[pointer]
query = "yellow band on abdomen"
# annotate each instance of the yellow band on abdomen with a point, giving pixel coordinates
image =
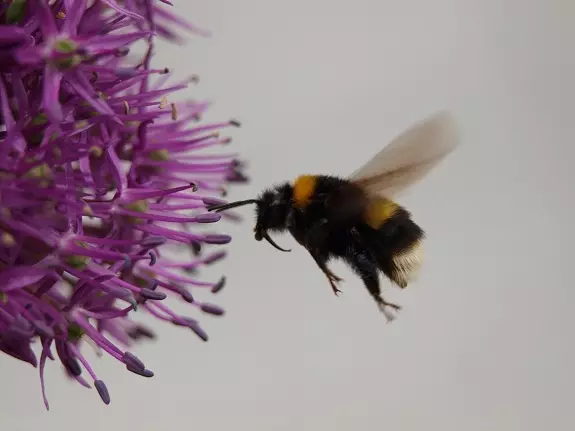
(378, 211)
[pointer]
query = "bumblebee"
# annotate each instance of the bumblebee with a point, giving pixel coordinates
(356, 219)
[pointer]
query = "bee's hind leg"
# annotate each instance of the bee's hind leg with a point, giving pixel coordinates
(367, 269)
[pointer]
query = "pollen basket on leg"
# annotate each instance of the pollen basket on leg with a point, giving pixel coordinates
(407, 264)
(303, 190)
(378, 211)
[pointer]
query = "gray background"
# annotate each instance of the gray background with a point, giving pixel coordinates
(483, 342)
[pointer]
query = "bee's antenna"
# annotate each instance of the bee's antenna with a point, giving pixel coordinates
(272, 242)
(223, 207)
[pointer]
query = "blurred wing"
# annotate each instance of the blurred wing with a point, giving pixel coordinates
(409, 157)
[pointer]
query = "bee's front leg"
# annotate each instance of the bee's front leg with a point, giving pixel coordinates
(333, 279)
(316, 241)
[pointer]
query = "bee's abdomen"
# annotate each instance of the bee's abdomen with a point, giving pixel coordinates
(400, 252)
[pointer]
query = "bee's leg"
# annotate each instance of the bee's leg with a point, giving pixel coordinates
(321, 261)
(367, 269)
(315, 241)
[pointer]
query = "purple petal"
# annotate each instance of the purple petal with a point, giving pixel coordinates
(110, 42)
(20, 92)
(173, 18)
(122, 10)
(51, 94)
(28, 278)
(116, 167)
(11, 34)
(135, 194)
(20, 350)
(46, 18)
(98, 104)
(30, 54)
(74, 12)
(13, 139)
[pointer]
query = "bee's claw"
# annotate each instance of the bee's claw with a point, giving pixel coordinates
(332, 276)
(382, 306)
(336, 291)
(333, 280)
(388, 316)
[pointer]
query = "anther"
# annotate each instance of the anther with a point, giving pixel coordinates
(153, 295)
(141, 372)
(212, 309)
(219, 285)
(102, 391)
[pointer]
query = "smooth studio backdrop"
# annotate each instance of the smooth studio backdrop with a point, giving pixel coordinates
(485, 339)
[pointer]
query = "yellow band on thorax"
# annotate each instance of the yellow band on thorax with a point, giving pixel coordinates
(303, 190)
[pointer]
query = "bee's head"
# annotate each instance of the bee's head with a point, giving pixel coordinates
(272, 209)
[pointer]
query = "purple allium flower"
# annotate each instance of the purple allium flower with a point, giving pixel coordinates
(96, 167)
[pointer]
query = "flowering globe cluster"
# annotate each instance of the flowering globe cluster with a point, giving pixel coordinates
(99, 170)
